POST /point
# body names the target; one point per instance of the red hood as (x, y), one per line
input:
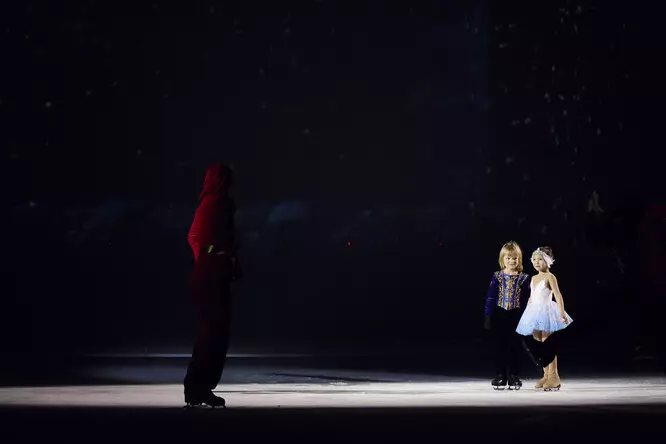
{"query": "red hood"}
(217, 182)
(213, 222)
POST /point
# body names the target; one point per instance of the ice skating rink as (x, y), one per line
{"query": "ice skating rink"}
(616, 393)
(129, 400)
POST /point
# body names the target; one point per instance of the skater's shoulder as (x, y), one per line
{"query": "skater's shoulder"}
(552, 281)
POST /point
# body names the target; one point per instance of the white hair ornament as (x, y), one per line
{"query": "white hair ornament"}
(549, 260)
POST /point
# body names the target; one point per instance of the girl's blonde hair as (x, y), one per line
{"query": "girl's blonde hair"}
(511, 247)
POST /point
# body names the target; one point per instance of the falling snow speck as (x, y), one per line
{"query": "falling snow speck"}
(48, 105)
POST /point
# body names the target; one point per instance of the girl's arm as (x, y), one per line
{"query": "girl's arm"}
(552, 280)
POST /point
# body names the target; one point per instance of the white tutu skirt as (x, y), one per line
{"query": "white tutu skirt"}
(543, 316)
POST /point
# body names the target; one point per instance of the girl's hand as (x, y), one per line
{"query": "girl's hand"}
(564, 319)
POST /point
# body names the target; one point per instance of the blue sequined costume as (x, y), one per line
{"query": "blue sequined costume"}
(507, 291)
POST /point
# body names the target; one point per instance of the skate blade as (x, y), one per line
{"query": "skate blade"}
(552, 389)
(498, 388)
(515, 388)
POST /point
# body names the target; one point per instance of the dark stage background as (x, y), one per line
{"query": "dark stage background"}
(383, 155)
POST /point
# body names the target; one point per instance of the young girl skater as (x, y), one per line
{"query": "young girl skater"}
(543, 316)
(507, 296)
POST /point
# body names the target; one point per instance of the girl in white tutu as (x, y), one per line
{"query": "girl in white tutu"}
(543, 316)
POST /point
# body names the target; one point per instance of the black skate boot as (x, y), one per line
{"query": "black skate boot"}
(499, 383)
(515, 383)
(204, 399)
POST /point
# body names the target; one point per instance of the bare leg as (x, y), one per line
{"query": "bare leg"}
(553, 381)
(541, 336)
(553, 377)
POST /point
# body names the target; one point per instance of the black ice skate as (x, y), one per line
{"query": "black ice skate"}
(207, 399)
(515, 383)
(499, 383)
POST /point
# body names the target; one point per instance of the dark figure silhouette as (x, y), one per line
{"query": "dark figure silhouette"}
(634, 230)
(212, 239)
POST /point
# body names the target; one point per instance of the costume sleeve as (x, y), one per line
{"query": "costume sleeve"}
(491, 295)
(192, 236)
(525, 292)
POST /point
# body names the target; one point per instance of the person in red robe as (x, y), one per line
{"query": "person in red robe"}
(213, 242)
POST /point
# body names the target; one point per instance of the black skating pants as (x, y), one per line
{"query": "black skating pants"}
(508, 343)
(211, 290)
